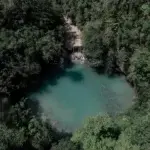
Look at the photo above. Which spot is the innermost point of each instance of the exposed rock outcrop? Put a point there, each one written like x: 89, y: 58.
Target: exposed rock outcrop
x: 73, y: 36
x: 78, y: 57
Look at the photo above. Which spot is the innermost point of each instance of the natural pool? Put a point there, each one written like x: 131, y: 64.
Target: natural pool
x: 80, y: 92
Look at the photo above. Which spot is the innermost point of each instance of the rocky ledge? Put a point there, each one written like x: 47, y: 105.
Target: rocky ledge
x: 78, y: 57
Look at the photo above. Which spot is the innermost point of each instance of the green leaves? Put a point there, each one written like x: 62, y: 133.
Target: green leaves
x: 49, y: 47
x: 33, y: 39
x: 24, y: 129
x: 146, y: 9
x: 96, y: 133
x: 40, y: 133
x: 16, y: 57
x: 65, y: 144
x: 92, y: 42
x: 104, y: 132
x: 41, y: 13
x: 140, y: 66
x: 11, y: 138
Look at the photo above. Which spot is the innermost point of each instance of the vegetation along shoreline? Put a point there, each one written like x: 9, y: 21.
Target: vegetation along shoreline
x: 115, y: 35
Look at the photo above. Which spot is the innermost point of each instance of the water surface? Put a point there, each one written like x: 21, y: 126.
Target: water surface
x: 80, y: 92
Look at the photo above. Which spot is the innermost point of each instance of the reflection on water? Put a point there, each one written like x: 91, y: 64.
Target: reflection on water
x: 80, y: 92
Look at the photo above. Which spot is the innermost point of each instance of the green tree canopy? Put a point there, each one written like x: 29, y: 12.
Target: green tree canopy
x: 104, y: 132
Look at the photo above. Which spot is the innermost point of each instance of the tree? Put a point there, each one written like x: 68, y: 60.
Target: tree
x: 31, y: 39
x: 139, y: 70
x: 98, y: 133
x: 11, y: 138
x: 93, y: 46
x: 104, y: 132
x: 33, y: 131
x: 65, y: 144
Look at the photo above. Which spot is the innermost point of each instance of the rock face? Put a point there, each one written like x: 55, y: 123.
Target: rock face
x: 78, y: 57
x: 74, y: 41
x: 73, y: 36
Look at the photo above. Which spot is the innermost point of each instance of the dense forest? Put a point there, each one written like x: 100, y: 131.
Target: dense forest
x: 115, y: 36
x: 31, y: 40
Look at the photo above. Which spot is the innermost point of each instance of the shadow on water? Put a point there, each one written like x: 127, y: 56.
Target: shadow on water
x: 75, y: 76
x: 34, y: 105
x: 115, y: 73
x: 51, y: 77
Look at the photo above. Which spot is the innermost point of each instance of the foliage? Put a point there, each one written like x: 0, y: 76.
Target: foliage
x: 93, y: 44
x: 36, y: 41
x: 40, y: 13
x: 139, y: 132
x: 115, y: 35
x: 104, y: 132
x: 26, y: 130
x: 10, y: 138
x: 23, y: 53
x: 97, y: 48
x: 139, y: 69
x: 65, y: 144
x: 31, y: 38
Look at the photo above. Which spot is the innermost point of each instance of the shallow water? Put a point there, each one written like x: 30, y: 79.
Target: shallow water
x: 80, y: 92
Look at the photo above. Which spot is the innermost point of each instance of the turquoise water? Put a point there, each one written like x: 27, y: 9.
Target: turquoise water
x: 80, y: 92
